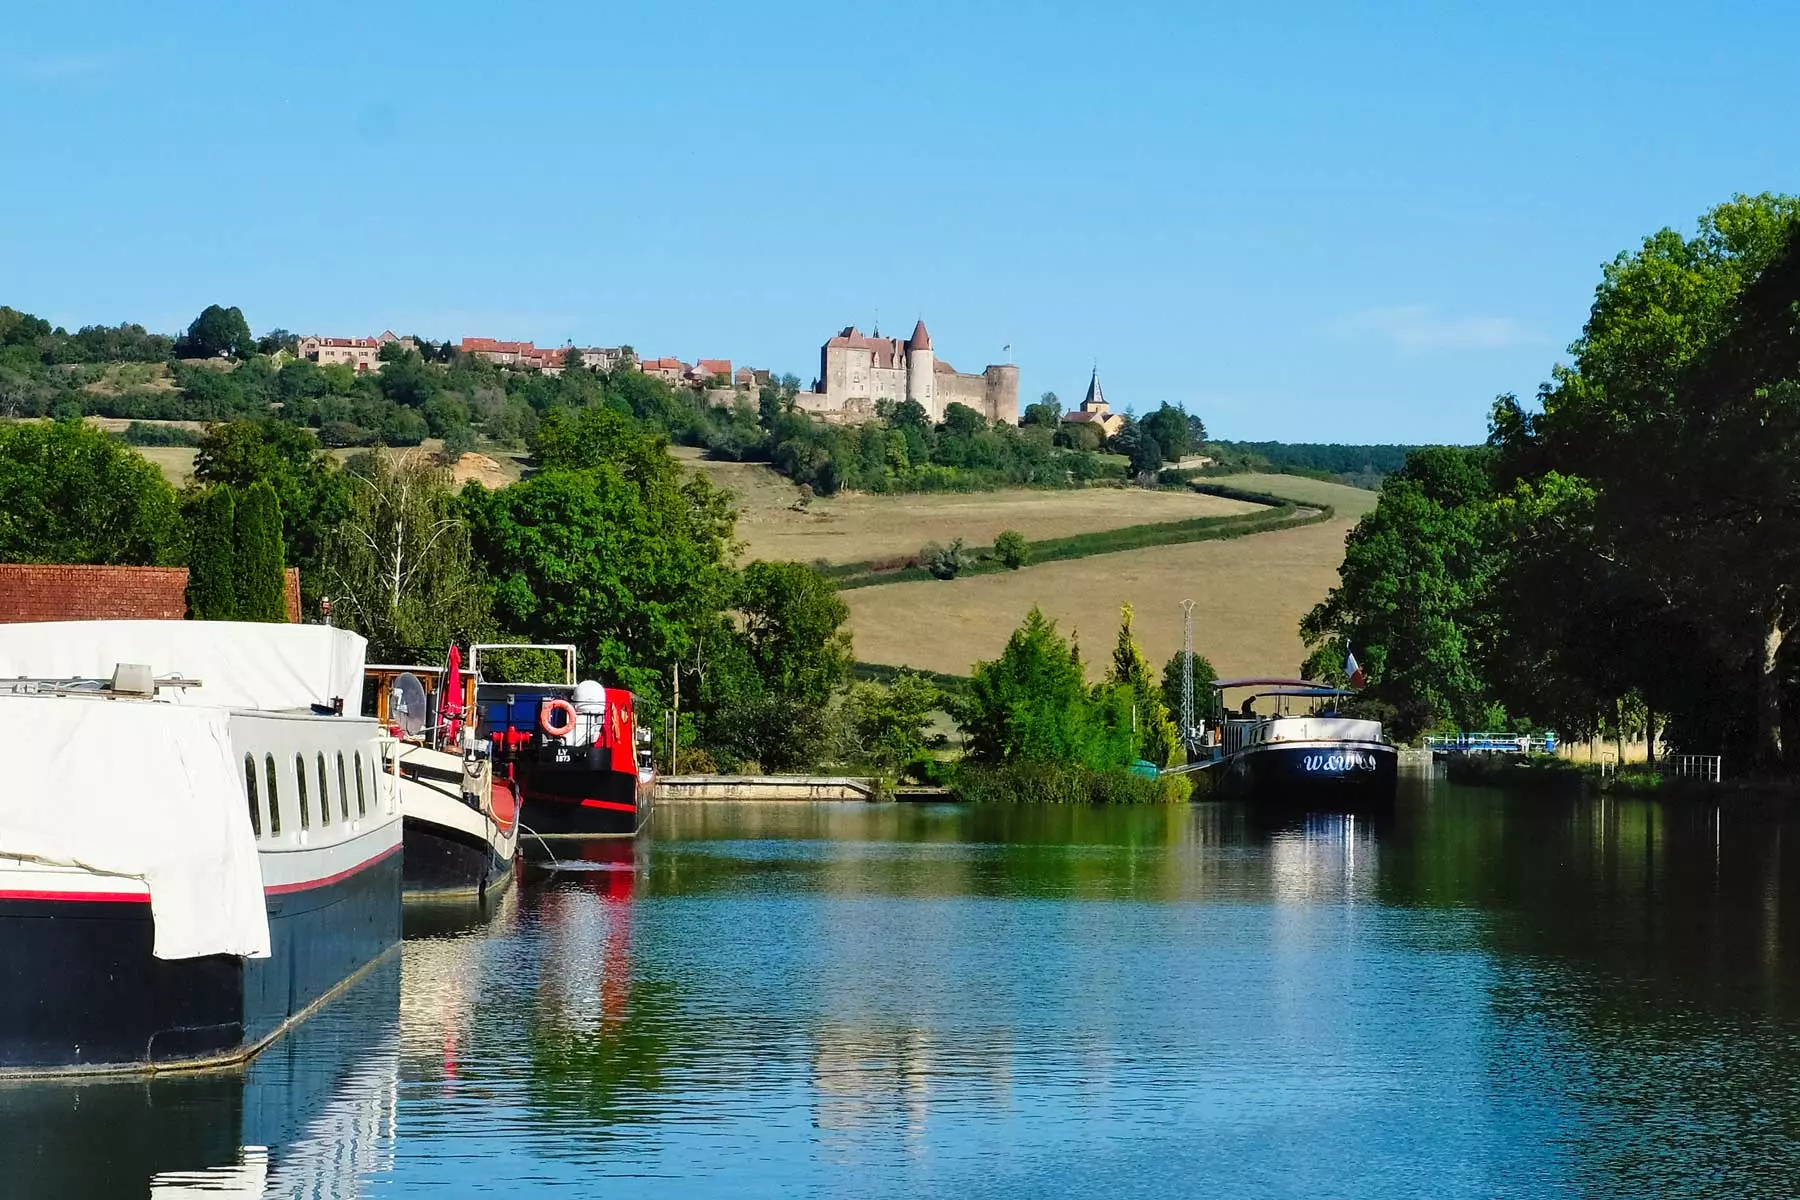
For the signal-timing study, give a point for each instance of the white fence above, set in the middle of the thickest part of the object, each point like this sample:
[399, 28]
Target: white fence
[1705, 767]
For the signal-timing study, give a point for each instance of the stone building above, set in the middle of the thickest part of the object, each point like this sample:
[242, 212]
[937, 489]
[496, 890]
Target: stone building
[361, 355]
[857, 372]
[548, 359]
[1095, 411]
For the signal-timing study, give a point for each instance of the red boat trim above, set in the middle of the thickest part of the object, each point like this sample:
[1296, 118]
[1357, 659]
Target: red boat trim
[79, 897]
[612, 805]
[286, 888]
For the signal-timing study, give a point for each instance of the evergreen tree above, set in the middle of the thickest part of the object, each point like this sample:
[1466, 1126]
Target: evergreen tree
[1156, 737]
[212, 560]
[261, 583]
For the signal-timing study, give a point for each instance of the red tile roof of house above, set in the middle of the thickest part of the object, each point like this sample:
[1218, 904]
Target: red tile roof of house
[713, 366]
[481, 345]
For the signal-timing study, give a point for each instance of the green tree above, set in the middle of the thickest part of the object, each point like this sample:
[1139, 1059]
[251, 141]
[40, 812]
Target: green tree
[627, 559]
[218, 332]
[1412, 597]
[890, 722]
[770, 676]
[212, 558]
[793, 628]
[312, 493]
[1172, 673]
[1681, 411]
[1012, 549]
[400, 568]
[1032, 705]
[70, 494]
[260, 580]
[1154, 733]
[1169, 426]
[1048, 411]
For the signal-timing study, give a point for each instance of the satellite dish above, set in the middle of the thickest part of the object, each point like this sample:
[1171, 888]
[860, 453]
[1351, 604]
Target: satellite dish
[406, 706]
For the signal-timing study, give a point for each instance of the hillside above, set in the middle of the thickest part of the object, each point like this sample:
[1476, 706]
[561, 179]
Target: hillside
[1250, 594]
[850, 528]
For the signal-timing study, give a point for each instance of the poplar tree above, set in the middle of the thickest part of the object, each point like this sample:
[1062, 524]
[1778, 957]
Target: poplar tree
[261, 579]
[212, 566]
[1156, 736]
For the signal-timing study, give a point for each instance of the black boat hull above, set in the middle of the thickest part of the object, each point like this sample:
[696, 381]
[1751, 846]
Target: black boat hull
[1319, 776]
[579, 800]
[441, 862]
[88, 994]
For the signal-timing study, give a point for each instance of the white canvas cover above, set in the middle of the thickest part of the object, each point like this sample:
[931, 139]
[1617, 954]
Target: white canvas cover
[241, 664]
[144, 790]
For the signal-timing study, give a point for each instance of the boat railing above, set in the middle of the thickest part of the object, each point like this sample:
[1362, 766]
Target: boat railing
[1492, 743]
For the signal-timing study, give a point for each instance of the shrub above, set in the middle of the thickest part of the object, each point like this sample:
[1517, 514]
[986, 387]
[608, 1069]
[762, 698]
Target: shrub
[1012, 549]
[944, 562]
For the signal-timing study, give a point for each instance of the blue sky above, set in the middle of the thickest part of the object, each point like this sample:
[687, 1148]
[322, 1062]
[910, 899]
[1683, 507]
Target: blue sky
[1304, 221]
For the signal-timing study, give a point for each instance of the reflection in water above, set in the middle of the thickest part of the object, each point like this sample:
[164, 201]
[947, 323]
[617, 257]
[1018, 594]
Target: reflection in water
[1479, 995]
[312, 1116]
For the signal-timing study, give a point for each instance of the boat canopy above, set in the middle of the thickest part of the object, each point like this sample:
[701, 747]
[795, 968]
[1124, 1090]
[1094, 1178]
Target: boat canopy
[1220, 685]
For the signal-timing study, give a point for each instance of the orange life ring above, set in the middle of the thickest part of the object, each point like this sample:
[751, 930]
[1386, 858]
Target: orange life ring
[546, 716]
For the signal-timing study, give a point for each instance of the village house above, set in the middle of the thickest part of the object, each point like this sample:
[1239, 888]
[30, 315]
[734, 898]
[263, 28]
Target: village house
[362, 355]
[548, 359]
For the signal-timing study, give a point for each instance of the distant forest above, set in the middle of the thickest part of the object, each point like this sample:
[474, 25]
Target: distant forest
[1358, 466]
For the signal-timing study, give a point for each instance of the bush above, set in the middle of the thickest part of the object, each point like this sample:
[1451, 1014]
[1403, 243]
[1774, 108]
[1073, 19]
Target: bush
[139, 434]
[1012, 549]
[1063, 783]
[944, 562]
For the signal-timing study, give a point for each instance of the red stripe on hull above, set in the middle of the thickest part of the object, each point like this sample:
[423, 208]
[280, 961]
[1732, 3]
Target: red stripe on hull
[287, 888]
[79, 897]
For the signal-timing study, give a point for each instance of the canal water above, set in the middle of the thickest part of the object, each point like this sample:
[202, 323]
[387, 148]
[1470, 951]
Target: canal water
[1482, 995]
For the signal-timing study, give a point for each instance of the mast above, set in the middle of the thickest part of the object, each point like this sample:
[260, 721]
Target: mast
[1187, 674]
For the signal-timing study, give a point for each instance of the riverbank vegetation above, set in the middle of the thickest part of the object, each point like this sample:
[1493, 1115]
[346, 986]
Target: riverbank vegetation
[1037, 731]
[1631, 541]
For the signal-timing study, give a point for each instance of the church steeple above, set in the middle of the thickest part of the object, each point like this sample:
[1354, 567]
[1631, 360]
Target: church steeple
[1096, 399]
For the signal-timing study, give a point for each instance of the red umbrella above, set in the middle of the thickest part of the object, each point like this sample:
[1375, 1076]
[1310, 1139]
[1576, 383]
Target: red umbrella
[453, 697]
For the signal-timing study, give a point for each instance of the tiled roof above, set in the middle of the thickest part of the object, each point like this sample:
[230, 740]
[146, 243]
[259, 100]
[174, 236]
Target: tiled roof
[920, 340]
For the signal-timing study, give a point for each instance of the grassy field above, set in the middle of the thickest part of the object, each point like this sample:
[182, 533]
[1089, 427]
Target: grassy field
[1250, 594]
[492, 466]
[843, 529]
[175, 462]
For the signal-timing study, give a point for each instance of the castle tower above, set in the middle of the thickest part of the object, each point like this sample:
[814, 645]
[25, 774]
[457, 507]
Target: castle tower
[921, 371]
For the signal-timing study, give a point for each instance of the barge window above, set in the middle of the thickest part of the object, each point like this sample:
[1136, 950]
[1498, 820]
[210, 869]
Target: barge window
[324, 792]
[343, 792]
[362, 803]
[250, 794]
[274, 798]
[300, 778]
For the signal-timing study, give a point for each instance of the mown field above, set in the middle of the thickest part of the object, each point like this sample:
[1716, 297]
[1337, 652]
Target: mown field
[1249, 592]
[844, 529]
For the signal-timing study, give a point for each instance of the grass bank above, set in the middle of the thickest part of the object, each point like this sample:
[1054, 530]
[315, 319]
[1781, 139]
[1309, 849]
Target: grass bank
[1058, 783]
[1279, 514]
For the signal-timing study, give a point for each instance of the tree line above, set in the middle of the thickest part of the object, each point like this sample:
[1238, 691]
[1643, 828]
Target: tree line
[1622, 554]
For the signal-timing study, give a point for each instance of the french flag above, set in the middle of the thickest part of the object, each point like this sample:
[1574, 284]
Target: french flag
[1353, 669]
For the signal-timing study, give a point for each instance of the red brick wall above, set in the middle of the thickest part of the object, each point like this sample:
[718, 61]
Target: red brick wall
[56, 592]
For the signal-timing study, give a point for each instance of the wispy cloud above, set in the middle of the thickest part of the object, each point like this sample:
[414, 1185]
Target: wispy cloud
[58, 68]
[1418, 329]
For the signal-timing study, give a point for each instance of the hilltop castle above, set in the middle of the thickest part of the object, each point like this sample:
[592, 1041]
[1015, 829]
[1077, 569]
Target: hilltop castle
[856, 372]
